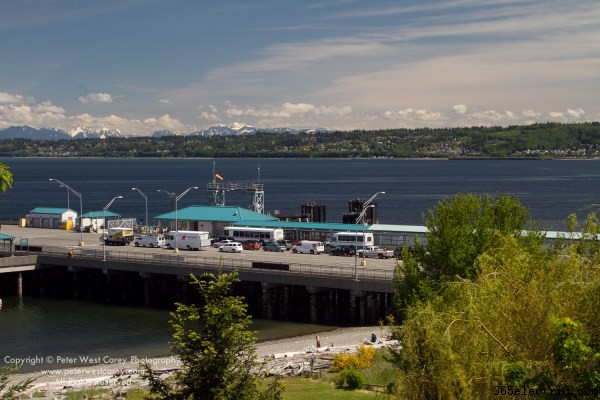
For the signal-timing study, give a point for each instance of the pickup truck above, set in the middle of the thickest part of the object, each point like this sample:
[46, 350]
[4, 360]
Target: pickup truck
[375, 251]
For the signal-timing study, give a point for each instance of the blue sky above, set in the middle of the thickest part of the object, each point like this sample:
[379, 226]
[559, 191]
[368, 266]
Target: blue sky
[183, 65]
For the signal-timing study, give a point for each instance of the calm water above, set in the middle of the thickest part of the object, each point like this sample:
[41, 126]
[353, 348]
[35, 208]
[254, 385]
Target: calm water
[551, 189]
[46, 328]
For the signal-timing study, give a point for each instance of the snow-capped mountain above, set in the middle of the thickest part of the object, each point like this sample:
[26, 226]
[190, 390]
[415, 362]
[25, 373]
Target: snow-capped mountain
[236, 129]
[90, 133]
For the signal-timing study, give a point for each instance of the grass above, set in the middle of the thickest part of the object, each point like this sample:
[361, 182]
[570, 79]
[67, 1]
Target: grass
[85, 394]
[308, 389]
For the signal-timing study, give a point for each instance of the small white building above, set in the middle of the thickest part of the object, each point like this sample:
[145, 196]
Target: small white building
[96, 220]
[51, 218]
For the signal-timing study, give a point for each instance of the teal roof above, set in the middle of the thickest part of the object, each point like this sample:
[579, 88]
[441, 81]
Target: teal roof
[6, 237]
[49, 210]
[100, 214]
[217, 214]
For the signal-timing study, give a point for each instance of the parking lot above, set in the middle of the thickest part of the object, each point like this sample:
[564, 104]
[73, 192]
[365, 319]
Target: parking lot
[71, 239]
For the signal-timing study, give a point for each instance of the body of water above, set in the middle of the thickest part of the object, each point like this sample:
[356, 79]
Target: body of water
[39, 333]
[551, 189]
[43, 327]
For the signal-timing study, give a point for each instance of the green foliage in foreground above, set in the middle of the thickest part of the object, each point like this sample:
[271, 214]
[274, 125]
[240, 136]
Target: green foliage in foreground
[6, 177]
[459, 231]
[530, 318]
[13, 391]
[215, 346]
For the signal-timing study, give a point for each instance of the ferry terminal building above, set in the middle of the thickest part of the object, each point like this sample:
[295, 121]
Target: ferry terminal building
[214, 219]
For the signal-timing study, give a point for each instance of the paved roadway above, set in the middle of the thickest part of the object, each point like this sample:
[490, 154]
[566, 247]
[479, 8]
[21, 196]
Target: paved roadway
[71, 239]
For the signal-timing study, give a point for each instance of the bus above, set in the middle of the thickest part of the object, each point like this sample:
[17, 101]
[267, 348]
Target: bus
[352, 238]
[262, 235]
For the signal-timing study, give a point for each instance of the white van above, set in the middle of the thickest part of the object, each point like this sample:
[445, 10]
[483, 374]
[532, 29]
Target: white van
[308, 246]
[234, 247]
[187, 240]
[150, 241]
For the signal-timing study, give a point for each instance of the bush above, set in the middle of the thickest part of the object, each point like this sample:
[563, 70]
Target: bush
[364, 359]
[351, 378]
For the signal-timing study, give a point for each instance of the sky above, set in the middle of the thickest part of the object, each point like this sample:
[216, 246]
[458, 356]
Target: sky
[185, 65]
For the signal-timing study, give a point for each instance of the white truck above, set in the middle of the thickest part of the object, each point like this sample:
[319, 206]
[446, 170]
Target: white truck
[187, 240]
[375, 251]
[309, 247]
[119, 232]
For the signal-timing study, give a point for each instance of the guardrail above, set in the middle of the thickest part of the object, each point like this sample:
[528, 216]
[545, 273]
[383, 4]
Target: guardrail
[227, 264]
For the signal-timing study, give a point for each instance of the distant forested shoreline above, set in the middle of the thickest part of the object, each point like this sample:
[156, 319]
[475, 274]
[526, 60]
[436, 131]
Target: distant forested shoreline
[548, 140]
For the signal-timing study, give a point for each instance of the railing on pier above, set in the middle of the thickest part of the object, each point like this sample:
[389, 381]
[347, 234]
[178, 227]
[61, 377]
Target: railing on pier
[227, 264]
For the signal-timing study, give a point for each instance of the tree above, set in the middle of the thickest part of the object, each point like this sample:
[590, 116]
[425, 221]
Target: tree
[215, 346]
[528, 321]
[459, 231]
[6, 177]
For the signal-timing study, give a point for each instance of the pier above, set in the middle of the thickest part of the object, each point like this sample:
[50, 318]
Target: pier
[309, 288]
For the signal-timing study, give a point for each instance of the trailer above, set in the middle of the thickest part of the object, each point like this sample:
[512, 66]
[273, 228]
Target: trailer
[119, 232]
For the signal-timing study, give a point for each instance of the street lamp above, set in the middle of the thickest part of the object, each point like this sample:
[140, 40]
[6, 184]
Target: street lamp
[145, 198]
[366, 206]
[176, 198]
[359, 219]
[104, 234]
[69, 188]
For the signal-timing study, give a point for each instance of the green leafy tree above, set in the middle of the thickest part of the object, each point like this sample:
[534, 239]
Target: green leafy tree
[215, 346]
[528, 320]
[6, 177]
[459, 231]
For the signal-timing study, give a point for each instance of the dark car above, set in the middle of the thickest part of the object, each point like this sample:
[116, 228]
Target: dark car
[272, 246]
[341, 251]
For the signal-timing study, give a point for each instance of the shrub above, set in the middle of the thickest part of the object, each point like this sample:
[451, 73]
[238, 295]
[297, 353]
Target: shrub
[364, 359]
[351, 378]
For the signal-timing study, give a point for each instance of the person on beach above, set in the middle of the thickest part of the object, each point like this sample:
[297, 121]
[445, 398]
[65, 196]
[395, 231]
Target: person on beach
[318, 339]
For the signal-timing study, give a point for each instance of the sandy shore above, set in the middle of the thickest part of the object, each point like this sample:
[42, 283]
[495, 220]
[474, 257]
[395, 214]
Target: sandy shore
[124, 374]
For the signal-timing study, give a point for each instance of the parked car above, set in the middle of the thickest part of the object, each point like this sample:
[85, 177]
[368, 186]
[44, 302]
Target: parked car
[341, 251]
[220, 239]
[223, 242]
[234, 247]
[150, 241]
[273, 246]
[251, 245]
[287, 243]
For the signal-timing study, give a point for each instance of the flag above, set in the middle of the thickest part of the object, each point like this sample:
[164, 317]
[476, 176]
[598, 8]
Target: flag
[218, 176]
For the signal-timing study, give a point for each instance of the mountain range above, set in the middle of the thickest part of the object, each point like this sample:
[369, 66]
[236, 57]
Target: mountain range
[27, 132]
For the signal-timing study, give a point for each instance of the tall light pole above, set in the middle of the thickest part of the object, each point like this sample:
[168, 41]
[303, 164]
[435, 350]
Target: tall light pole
[366, 206]
[359, 219]
[145, 198]
[176, 198]
[70, 189]
[104, 234]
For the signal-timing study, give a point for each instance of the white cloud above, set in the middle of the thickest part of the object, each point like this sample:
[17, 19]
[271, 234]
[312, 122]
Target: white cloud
[165, 101]
[8, 98]
[575, 113]
[209, 116]
[96, 98]
[459, 108]
[530, 113]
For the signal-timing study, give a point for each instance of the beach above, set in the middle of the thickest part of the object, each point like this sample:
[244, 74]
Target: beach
[276, 355]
